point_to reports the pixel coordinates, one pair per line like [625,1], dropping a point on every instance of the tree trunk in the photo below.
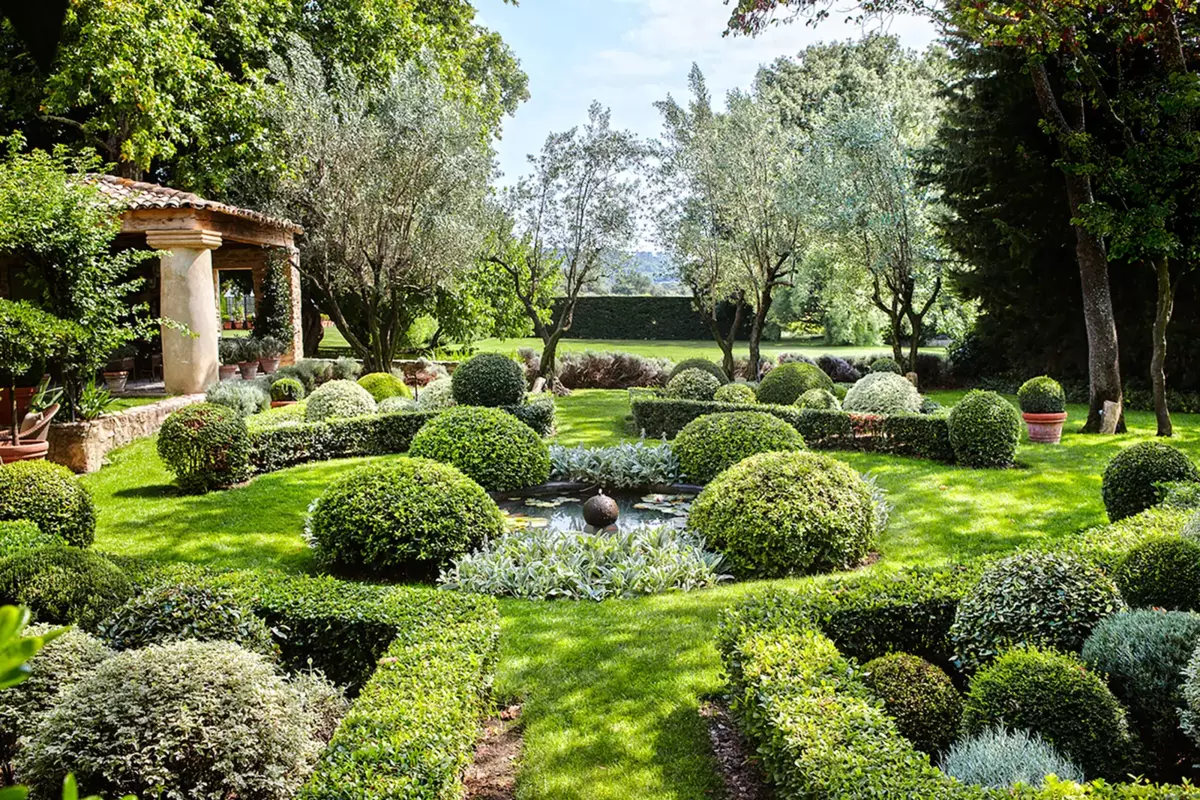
[756,331]
[1162,318]
[897,331]
[914,347]
[548,369]
[312,328]
[12,409]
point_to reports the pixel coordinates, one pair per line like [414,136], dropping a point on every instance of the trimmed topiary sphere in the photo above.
[1042,395]
[883,393]
[489,379]
[51,497]
[197,720]
[18,535]
[63,585]
[338,399]
[1144,654]
[1053,695]
[58,666]
[820,399]
[985,430]
[1161,572]
[490,446]
[693,384]
[1044,599]
[710,444]
[383,385]
[784,385]
[411,518]
[287,389]
[887,364]
[736,393]
[701,364]
[998,758]
[779,514]
[437,395]
[207,447]
[919,696]
[174,613]
[1130,478]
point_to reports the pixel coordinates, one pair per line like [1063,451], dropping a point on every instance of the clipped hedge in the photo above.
[709,445]
[784,385]
[985,430]
[63,585]
[487,445]
[736,393]
[51,497]
[1042,395]
[207,447]
[20,534]
[282,446]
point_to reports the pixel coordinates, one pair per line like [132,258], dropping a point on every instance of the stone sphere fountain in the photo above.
[600,511]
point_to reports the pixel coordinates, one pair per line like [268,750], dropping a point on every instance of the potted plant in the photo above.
[120,364]
[286,391]
[26,335]
[1044,406]
[270,351]
[229,351]
[248,351]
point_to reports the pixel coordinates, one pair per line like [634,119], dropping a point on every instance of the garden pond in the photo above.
[564,511]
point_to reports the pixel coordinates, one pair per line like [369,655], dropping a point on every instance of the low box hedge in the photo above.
[287,445]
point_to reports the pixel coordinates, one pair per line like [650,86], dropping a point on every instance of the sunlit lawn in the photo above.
[611,690]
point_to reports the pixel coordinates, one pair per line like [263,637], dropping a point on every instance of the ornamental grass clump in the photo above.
[1131,479]
[883,393]
[488,445]
[693,384]
[207,447]
[784,385]
[51,497]
[489,379]
[1000,758]
[985,430]
[710,444]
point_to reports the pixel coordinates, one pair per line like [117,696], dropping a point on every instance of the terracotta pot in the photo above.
[227,371]
[1045,428]
[227,324]
[26,451]
[115,381]
[249,370]
[269,365]
[24,398]
[282,403]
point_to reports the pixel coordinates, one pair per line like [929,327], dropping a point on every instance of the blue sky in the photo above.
[629,53]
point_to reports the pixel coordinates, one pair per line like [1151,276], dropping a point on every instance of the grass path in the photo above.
[611,689]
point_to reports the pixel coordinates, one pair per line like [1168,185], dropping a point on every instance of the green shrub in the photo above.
[49,496]
[1042,395]
[287,389]
[488,445]
[1130,479]
[59,665]
[1054,696]
[206,446]
[693,384]
[709,445]
[20,534]
[778,514]
[919,696]
[341,369]
[340,400]
[920,435]
[784,385]
[883,393]
[411,518]
[999,758]
[1189,714]
[985,430]
[886,365]
[396,405]
[1144,654]
[820,399]
[631,465]
[198,720]
[1163,572]
[1031,598]
[437,395]
[736,393]
[660,417]
[177,612]
[488,379]
[701,364]
[286,445]
[63,584]
[539,412]
[383,385]
[244,397]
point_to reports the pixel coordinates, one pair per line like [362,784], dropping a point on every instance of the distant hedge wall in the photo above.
[662,318]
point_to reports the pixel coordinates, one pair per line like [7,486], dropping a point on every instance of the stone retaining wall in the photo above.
[83,445]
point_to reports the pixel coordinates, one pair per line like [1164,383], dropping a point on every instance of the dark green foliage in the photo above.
[1054,696]
[287,389]
[784,385]
[736,393]
[539,413]
[1031,598]
[207,446]
[709,445]
[176,612]
[1042,395]
[921,436]
[644,318]
[701,364]
[828,429]
[1144,654]
[489,379]
[919,696]
[21,534]
[383,385]
[273,305]
[693,384]
[779,514]
[407,519]
[339,399]
[657,417]
[284,446]
[486,444]
[51,497]
[985,430]
[1163,572]
[1130,479]
[63,585]
[887,365]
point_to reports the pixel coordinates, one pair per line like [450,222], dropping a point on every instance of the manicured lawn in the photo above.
[611,689]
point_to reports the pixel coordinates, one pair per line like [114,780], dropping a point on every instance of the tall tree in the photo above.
[568,221]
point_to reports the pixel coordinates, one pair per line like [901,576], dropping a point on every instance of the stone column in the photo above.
[187,296]
[296,351]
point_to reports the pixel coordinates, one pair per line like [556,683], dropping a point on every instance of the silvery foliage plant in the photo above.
[624,466]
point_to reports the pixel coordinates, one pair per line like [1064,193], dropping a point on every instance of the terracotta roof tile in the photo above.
[139,195]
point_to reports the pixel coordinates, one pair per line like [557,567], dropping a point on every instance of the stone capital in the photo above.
[191,239]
